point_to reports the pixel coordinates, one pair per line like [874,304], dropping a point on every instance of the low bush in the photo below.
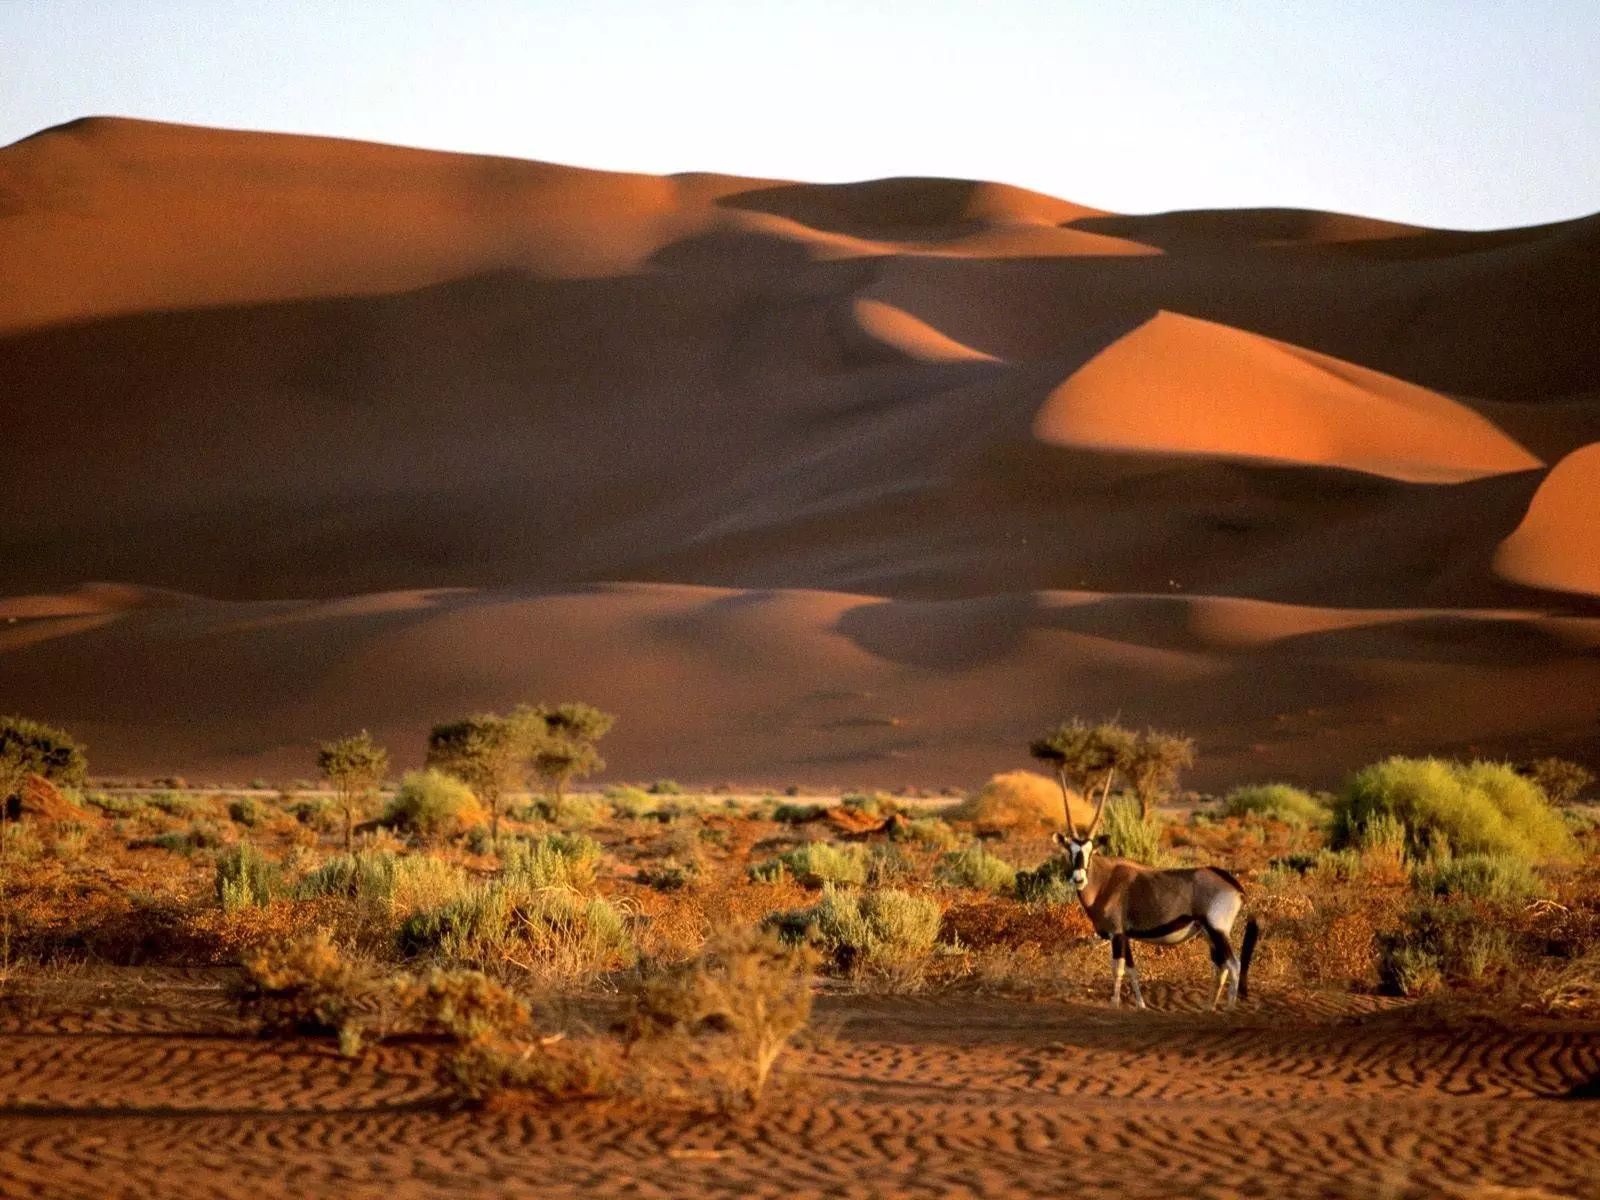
[305,985]
[669,876]
[1494,877]
[201,834]
[465,1005]
[1464,808]
[1020,799]
[1561,781]
[977,869]
[247,811]
[394,882]
[877,928]
[556,860]
[931,832]
[1048,883]
[665,787]
[798,814]
[1279,801]
[1437,943]
[815,864]
[743,999]
[433,805]
[245,878]
[175,804]
[629,803]
[508,922]
[120,807]
[1130,835]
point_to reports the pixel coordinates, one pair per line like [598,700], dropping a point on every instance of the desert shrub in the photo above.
[20,843]
[395,882]
[669,876]
[69,840]
[815,864]
[244,877]
[201,834]
[975,868]
[33,748]
[871,804]
[798,814]
[889,865]
[744,998]
[1438,943]
[1279,801]
[1128,834]
[629,803]
[575,812]
[931,832]
[175,804]
[433,805]
[354,766]
[506,921]
[247,811]
[1021,799]
[465,1005]
[1048,883]
[556,860]
[1467,808]
[1561,781]
[877,928]
[304,985]
[120,807]
[1494,877]
[665,787]
[1576,989]
[315,813]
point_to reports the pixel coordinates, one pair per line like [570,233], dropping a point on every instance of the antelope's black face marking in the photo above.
[1078,852]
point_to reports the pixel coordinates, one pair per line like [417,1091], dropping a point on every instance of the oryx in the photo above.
[1128,901]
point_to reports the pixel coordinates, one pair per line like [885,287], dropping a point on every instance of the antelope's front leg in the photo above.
[1117,966]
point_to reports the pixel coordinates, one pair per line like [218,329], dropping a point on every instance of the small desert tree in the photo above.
[354,766]
[1086,756]
[563,744]
[1154,765]
[486,752]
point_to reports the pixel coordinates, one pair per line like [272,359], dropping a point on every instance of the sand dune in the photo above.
[1557,545]
[1181,386]
[396,422]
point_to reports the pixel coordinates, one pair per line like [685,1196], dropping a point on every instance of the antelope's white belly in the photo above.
[1170,939]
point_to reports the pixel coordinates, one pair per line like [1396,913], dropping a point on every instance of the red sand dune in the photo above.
[890,473]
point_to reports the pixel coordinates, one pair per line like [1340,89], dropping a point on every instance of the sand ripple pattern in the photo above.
[907,1098]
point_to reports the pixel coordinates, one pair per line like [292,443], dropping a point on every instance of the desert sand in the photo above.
[851,484]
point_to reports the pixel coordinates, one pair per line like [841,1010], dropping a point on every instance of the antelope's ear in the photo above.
[1062,840]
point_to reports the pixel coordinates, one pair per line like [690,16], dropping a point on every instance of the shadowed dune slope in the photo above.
[403,418]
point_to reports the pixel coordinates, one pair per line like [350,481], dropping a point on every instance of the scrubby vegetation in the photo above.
[1279,801]
[433,806]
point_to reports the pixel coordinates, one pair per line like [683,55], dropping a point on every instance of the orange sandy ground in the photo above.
[159,1092]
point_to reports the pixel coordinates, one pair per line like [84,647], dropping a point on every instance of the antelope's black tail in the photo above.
[1252,933]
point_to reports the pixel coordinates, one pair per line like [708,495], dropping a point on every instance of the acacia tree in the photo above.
[562,743]
[486,752]
[1153,766]
[1560,780]
[355,766]
[1087,756]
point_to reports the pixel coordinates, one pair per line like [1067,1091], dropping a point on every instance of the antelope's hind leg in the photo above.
[1225,966]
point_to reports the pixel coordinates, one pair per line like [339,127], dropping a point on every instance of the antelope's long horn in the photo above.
[1066,807]
[1100,806]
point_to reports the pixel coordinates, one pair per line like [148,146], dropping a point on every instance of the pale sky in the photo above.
[1461,113]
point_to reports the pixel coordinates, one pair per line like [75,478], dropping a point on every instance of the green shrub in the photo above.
[305,985]
[200,835]
[395,882]
[175,804]
[629,803]
[506,921]
[932,832]
[1471,808]
[815,864]
[876,928]
[798,814]
[466,1006]
[888,865]
[1048,883]
[557,860]
[669,876]
[1130,835]
[247,811]
[975,868]
[433,805]
[1279,801]
[120,807]
[665,787]
[1496,877]
[1561,781]
[244,877]
[32,748]
[1437,943]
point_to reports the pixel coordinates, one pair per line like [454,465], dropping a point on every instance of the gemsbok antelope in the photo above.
[1128,901]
